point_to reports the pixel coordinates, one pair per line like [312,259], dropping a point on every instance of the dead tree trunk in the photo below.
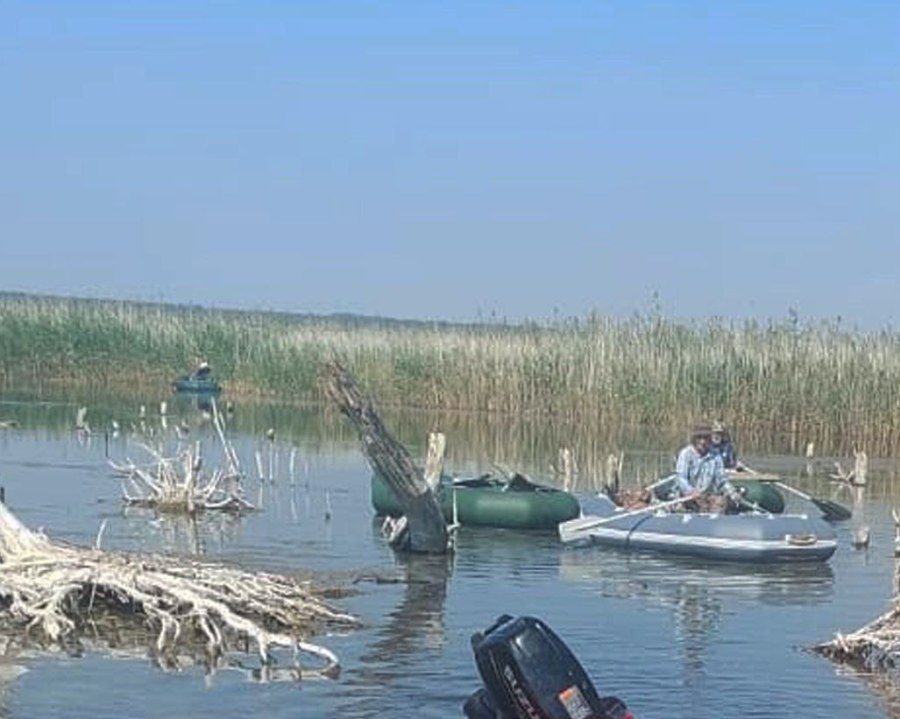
[426,528]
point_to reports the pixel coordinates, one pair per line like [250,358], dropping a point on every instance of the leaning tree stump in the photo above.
[425,528]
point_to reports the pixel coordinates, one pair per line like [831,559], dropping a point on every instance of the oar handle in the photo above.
[661,482]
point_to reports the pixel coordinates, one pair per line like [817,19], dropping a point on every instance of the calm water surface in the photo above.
[675,638]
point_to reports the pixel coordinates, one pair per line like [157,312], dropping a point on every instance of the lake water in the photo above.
[674,638]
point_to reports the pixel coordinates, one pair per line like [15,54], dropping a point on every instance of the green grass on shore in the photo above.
[817,382]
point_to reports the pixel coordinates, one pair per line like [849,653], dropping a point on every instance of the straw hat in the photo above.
[700,430]
[718,427]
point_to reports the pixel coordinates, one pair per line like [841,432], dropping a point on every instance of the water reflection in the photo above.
[10,671]
[883,686]
[415,654]
[204,533]
[476,440]
[695,592]
[659,579]
[407,643]
[417,623]
[698,613]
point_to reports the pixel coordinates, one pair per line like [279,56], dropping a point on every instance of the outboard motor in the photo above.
[529,673]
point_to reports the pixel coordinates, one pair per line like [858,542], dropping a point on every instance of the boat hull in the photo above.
[197,386]
[739,537]
[488,504]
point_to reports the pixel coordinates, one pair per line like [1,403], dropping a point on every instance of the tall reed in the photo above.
[813,382]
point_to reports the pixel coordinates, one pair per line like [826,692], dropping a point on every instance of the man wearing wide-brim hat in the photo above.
[700,473]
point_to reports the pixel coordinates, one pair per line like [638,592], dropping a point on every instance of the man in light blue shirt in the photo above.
[700,472]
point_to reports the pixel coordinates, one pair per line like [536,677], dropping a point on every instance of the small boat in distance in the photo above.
[200,381]
[488,501]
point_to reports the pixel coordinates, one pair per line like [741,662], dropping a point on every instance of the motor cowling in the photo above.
[529,673]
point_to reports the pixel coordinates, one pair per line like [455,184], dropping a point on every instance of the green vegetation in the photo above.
[819,382]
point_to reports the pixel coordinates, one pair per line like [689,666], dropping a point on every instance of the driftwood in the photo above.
[855,476]
[181,483]
[872,648]
[68,596]
[424,529]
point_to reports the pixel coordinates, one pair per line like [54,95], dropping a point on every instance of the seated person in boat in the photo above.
[721,444]
[700,476]
[203,371]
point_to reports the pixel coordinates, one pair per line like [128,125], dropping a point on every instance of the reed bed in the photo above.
[809,382]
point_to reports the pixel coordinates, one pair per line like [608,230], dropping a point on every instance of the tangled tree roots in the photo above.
[180,484]
[67,595]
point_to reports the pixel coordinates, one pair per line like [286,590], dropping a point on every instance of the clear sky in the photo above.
[456,159]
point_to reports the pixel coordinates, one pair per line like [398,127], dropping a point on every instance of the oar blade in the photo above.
[833,511]
[578,529]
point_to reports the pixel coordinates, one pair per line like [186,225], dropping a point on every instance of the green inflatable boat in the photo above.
[762,494]
[487,501]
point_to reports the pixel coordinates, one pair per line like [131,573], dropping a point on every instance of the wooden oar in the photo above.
[584,523]
[661,482]
[832,511]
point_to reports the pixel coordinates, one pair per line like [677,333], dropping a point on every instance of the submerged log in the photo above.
[425,529]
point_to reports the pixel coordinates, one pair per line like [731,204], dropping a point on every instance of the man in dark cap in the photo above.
[721,444]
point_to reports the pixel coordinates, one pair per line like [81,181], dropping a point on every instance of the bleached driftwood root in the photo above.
[872,648]
[180,483]
[69,596]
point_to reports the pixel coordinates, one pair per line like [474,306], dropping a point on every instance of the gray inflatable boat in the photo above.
[757,537]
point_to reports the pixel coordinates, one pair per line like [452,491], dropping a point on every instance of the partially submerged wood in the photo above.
[860,467]
[855,476]
[81,424]
[425,529]
[614,462]
[57,594]
[434,459]
[182,483]
[874,647]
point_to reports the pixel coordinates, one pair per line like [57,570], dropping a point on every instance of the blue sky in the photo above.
[456,160]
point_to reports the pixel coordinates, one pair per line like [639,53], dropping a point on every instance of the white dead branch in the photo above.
[180,483]
[64,595]
[855,476]
[81,424]
[872,648]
